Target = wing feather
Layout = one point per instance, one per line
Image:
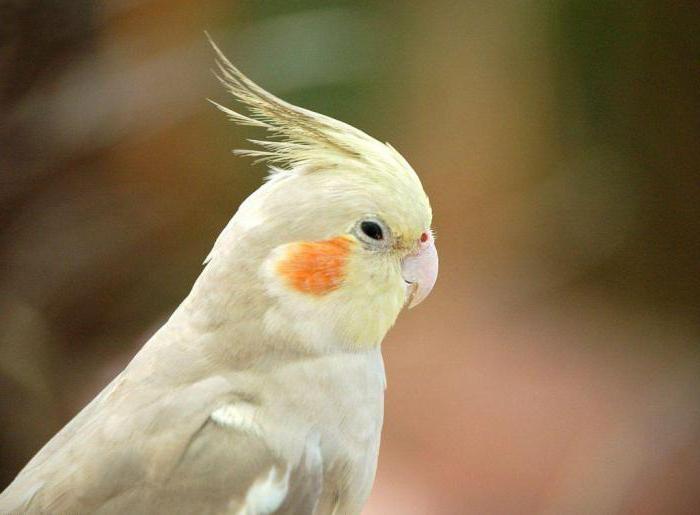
(161, 454)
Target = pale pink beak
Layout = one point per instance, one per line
(420, 271)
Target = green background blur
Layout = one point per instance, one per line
(556, 366)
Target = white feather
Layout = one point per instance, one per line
(267, 494)
(239, 416)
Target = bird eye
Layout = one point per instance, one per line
(373, 233)
(372, 229)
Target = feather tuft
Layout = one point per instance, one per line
(301, 139)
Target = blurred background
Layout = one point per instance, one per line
(556, 366)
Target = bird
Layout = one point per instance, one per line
(264, 391)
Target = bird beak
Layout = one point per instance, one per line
(419, 271)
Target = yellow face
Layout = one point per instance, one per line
(357, 281)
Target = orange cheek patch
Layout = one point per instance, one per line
(315, 267)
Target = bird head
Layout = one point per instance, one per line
(338, 239)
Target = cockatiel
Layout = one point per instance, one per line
(263, 393)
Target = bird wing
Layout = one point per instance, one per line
(184, 450)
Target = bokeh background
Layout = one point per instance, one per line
(556, 366)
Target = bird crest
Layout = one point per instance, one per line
(301, 139)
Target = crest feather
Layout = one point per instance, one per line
(303, 139)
